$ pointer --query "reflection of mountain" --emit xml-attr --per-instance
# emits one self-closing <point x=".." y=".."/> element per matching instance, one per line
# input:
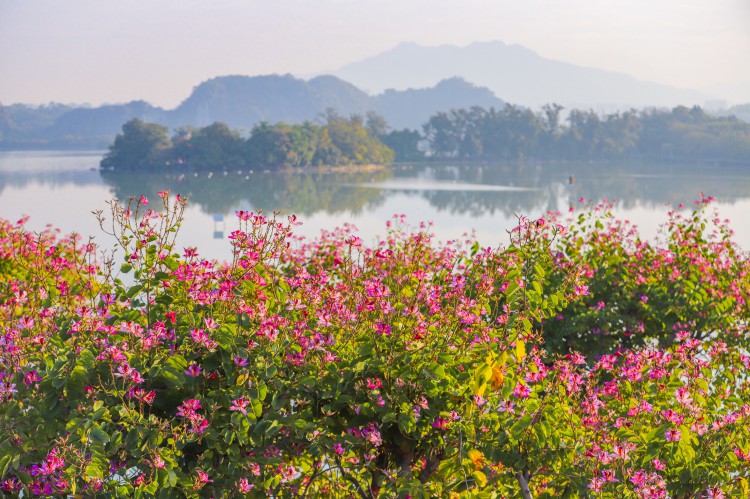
<point x="303" y="193"/>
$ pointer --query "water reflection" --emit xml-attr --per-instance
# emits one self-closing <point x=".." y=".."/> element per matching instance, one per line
<point x="471" y="190"/>
<point x="63" y="190"/>
<point x="303" y="193"/>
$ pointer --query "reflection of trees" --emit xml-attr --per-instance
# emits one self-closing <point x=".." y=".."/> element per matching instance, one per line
<point x="652" y="185"/>
<point x="645" y="185"/>
<point x="541" y="193"/>
<point x="304" y="193"/>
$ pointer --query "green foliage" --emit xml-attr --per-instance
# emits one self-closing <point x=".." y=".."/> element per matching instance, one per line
<point x="208" y="147"/>
<point x="405" y="144"/>
<point x="692" y="284"/>
<point x="516" y="132"/>
<point x="340" y="142"/>
<point x="139" y="146"/>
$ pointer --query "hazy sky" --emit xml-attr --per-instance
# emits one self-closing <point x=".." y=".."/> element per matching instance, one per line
<point x="97" y="51"/>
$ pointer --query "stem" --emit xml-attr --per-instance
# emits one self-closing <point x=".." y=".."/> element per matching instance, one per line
<point x="347" y="476"/>
<point x="523" y="482"/>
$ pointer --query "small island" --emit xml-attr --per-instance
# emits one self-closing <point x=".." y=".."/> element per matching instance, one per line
<point x="339" y="142"/>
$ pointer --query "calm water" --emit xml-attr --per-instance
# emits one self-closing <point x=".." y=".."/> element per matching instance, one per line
<point x="63" y="188"/>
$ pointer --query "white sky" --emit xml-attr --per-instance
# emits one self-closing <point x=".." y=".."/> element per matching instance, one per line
<point x="98" y="51"/>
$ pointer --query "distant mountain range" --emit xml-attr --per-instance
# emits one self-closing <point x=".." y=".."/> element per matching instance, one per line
<point x="515" y="74"/>
<point x="406" y="85"/>
<point x="240" y="102"/>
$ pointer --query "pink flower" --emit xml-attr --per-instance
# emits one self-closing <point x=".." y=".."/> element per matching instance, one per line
<point x="339" y="449"/>
<point x="193" y="370"/>
<point x="672" y="435"/>
<point x="244" y="486"/>
<point x="354" y="241"/>
<point x="672" y="416"/>
<point x="188" y="408"/>
<point x="143" y="200"/>
<point x="203" y="477"/>
<point x="373" y="384"/>
<point x="683" y="396"/>
<point x="521" y="391"/>
<point x="31" y="377"/>
<point x="198" y="425"/>
<point x="240" y="405"/>
<point x="596" y="484"/>
<point x="440" y="424"/>
<point x="287" y="473"/>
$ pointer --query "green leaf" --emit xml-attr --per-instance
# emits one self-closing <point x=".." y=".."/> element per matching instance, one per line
<point x="520" y="426"/>
<point x="99" y="436"/>
<point x="78" y="378"/>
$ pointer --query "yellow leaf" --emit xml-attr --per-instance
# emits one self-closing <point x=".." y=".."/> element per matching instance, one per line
<point x="520" y="350"/>
<point x="497" y="377"/>
<point x="477" y="458"/>
<point x="480" y="478"/>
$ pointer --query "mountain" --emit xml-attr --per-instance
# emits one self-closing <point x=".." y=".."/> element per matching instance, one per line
<point x="740" y="111"/>
<point x="103" y="121"/>
<point x="240" y="102"/>
<point x="515" y="74"/>
<point x="412" y="108"/>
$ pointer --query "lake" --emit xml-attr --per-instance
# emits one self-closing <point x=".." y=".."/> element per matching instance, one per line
<point x="63" y="188"/>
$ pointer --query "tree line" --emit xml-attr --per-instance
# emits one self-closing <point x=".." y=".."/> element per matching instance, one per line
<point x="339" y="141"/>
<point x="475" y="134"/>
<point x="515" y="132"/>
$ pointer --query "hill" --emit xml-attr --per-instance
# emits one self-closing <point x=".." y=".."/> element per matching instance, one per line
<point x="241" y="102"/>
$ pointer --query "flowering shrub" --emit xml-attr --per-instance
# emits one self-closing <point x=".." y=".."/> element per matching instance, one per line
<point x="408" y="368"/>
<point x="693" y="281"/>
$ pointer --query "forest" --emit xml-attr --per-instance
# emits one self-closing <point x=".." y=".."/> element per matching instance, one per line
<point x="515" y="132"/>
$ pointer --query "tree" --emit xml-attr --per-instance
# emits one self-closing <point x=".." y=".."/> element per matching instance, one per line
<point x="405" y="144"/>
<point x="139" y="146"/>
<point x="376" y="124"/>
<point x="211" y="147"/>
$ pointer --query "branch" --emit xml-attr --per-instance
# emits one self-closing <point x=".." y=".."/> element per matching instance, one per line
<point x="523" y="481"/>
<point x="347" y="476"/>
